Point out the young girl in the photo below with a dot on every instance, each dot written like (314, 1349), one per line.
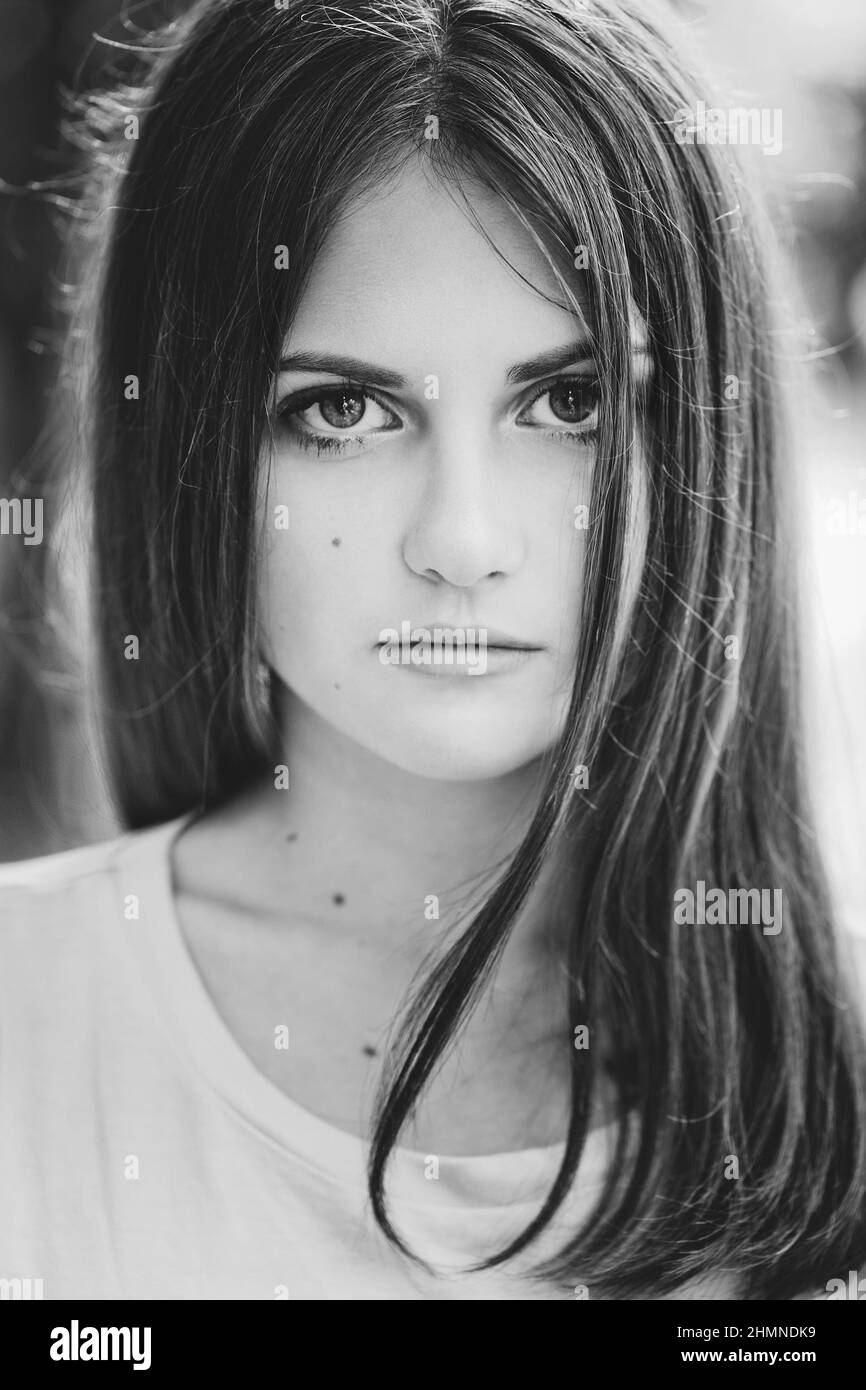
(467, 937)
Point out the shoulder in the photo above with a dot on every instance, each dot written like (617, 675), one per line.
(54, 911)
(64, 929)
(68, 886)
(25, 884)
(50, 870)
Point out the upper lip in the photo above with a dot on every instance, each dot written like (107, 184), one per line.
(493, 637)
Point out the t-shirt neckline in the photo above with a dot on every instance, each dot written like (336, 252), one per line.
(505, 1179)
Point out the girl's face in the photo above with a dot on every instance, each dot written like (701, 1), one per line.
(433, 442)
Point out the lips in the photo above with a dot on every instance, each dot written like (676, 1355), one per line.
(493, 638)
(498, 642)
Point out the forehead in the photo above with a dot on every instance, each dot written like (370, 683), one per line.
(406, 278)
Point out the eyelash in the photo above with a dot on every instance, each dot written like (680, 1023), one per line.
(324, 443)
(321, 444)
(584, 436)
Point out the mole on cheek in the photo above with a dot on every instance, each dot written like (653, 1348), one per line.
(336, 541)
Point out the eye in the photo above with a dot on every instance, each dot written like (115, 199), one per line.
(324, 416)
(569, 405)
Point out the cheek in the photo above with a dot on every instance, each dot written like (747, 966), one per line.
(302, 594)
(294, 579)
(315, 575)
(566, 582)
(565, 576)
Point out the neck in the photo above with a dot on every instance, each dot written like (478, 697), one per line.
(354, 839)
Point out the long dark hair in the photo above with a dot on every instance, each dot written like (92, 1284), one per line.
(256, 122)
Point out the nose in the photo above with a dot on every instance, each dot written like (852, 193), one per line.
(466, 529)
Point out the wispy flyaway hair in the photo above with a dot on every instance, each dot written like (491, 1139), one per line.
(255, 124)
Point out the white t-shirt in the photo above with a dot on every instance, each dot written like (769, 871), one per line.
(143, 1155)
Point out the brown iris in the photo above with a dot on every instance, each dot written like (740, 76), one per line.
(572, 401)
(342, 409)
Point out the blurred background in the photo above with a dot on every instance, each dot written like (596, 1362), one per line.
(806, 60)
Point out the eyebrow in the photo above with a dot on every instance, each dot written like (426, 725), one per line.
(336, 365)
(353, 367)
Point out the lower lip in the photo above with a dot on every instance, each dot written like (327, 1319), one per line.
(492, 661)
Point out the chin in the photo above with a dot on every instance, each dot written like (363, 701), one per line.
(460, 755)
